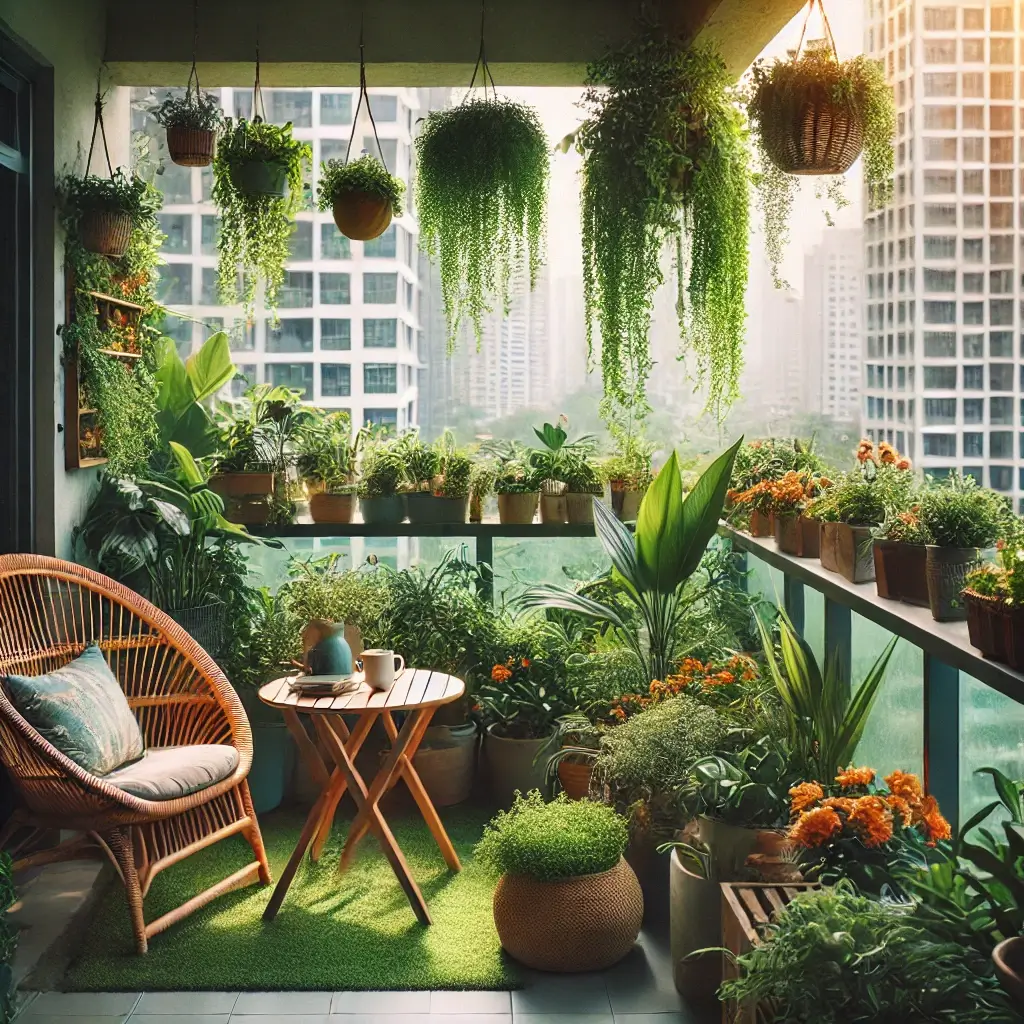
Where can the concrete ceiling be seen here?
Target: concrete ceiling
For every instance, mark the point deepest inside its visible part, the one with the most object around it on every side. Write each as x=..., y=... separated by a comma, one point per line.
x=409, y=42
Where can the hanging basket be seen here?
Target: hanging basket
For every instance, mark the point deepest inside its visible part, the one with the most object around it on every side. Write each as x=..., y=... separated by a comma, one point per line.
x=191, y=147
x=812, y=134
x=105, y=233
x=362, y=216
x=260, y=178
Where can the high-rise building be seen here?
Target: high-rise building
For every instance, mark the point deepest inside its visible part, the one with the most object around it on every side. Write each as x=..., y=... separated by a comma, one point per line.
x=832, y=335
x=349, y=332
x=941, y=259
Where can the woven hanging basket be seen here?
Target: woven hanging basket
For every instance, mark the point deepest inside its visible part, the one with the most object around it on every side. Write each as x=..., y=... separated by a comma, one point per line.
x=811, y=133
x=191, y=147
x=105, y=233
x=362, y=216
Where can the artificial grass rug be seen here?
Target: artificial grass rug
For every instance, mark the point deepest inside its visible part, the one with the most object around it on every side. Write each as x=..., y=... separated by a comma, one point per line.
x=349, y=932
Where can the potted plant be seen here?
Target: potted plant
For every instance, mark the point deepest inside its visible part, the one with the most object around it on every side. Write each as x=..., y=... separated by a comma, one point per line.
x=420, y=462
x=481, y=482
x=813, y=114
x=994, y=598
x=566, y=900
x=192, y=122
x=481, y=196
x=326, y=461
x=362, y=196
x=583, y=483
x=795, y=533
x=257, y=188
x=552, y=462
x=103, y=212
x=572, y=764
x=755, y=504
x=900, y=555
x=629, y=474
x=380, y=476
x=518, y=490
x=451, y=483
x=960, y=518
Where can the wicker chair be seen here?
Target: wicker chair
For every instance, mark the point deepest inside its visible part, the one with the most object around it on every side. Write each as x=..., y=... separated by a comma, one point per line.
x=50, y=611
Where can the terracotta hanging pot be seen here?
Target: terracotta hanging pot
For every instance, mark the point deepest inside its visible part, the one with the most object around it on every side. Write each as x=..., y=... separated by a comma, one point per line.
x=107, y=233
x=362, y=216
x=190, y=147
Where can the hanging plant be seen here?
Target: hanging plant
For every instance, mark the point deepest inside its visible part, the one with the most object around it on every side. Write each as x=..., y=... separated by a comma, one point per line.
x=192, y=122
x=362, y=196
x=481, y=193
x=664, y=159
x=813, y=115
x=102, y=212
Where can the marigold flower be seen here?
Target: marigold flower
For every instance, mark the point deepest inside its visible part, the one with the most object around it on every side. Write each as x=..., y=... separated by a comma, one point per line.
x=855, y=777
x=906, y=785
x=935, y=825
x=842, y=804
x=865, y=451
x=501, y=674
x=872, y=820
x=903, y=464
x=525, y=663
x=805, y=795
x=900, y=807
x=815, y=827
x=887, y=454
x=619, y=713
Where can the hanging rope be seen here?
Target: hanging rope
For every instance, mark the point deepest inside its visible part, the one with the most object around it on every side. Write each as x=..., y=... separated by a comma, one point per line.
x=481, y=61
x=364, y=95
x=831, y=39
x=194, y=73
x=98, y=123
x=257, y=92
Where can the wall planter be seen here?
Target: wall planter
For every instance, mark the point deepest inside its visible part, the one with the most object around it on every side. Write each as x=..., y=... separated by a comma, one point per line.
x=900, y=571
x=799, y=536
x=331, y=508
x=387, y=510
x=105, y=232
x=580, y=507
x=424, y=507
x=574, y=777
x=515, y=764
x=260, y=178
x=586, y=923
x=946, y=572
x=760, y=525
x=446, y=763
x=191, y=147
x=625, y=503
x=847, y=550
x=695, y=922
x=518, y=508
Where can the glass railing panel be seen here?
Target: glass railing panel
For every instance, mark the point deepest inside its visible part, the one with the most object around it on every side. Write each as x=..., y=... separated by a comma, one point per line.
x=814, y=622
x=522, y=562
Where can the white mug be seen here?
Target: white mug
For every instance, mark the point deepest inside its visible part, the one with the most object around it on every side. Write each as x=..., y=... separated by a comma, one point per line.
x=380, y=667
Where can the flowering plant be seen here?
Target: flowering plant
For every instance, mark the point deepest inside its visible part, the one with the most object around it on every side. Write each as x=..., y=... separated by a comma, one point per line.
x=864, y=832
x=879, y=484
x=904, y=527
x=1003, y=579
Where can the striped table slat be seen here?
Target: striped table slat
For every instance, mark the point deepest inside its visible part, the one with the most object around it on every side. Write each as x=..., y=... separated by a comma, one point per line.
x=414, y=688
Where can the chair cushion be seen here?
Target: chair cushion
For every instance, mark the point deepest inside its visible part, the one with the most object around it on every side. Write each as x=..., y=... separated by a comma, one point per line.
x=167, y=773
x=81, y=709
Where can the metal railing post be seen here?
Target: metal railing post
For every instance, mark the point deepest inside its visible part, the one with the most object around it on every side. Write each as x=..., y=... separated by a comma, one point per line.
x=838, y=637
x=793, y=596
x=942, y=736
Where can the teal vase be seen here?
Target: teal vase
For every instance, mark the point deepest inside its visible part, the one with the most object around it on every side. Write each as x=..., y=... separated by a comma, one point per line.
x=331, y=654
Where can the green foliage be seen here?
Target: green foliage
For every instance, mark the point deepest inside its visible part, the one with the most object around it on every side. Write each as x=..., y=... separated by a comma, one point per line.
x=274, y=642
x=454, y=469
x=120, y=193
x=548, y=842
x=318, y=589
x=365, y=175
x=960, y=514
x=481, y=193
x=258, y=430
x=325, y=451
x=8, y=939
x=253, y=230
x=770, y=458
x=382, y=470
x=665, y=160
x=199, y=111
x=516, y=476
x=420, y=461
x=866, y=496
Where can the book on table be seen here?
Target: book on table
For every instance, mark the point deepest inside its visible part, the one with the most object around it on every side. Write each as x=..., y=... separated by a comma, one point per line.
x=323, y=686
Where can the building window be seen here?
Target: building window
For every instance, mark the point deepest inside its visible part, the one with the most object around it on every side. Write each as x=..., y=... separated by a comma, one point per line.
x=1000, y=344
x=208, y=238
x=1001, y=411
x=300, y=245
x=940, y=215
x=939, y=280
x=285, y=105
x=174, y=284
x=939, y=410
x=1000, y=119
x=290, y=335
x=380, y=333
x=939, y=19
x=976, y=473
x=937, y=183
x=940, y=312
x=332, y=149
x=298, y=376
x=940, y=344
x=974, y=51
x=1000, y=312
x=974, y=150
x=296, y=290
x=1002, y=19
x=974, y=346
x=177, y=228
x=179, y=331
x=940, y=378
x=974, y=183
x=974, y=118
x=1000, y=183
x=1000, y=282
x=974, y=216
x=1000, y=478
x=385, y=108
x=974, y=84
x=940, y=83
x=335, y=335
x=388, y=150
x=1000, y=83
x=1000, y=444
x=974, y=284
x=974, y=313
x=381, y=417
x=209, y=290
x=1000, y=150
x=942, y=118
x=974, y=410
x=974, y=444
x=335, y=380
x=333, y=244
x=380, y=289
x=940, y=149
x=940, y=247
x=1000, y=248
x=243, y=380
x=940, y=444
x=335, y=108
x=940, y=51
x=335, y=289
x=1000, y=376
x=974, y=378
x=380, y=378
x=974, y=250
x=384, y=245
x=175, y=184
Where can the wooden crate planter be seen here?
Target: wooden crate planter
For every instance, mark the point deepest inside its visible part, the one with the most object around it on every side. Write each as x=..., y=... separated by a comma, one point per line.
x=746, y=908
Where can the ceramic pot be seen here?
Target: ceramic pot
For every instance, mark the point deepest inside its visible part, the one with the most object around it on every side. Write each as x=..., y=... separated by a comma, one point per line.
x=426, y=508
x=695, y=922
x=190, y=147
x=731, y=845
x=514, y=764
x=388, y=510
x=259, y=178
x=105, y=233
x=362, y=216
x=446, y=763
x=326, y=650
x=518, y=509
x=760, y=525
x=847, y=551
x=625, y=503
x=1008, y=961
x=331, y=508
x=580, y=507
x=577, y=924
x=900, y=571
x=273, y=754
x=946, y=571
x=574, y=778
x=797, y=535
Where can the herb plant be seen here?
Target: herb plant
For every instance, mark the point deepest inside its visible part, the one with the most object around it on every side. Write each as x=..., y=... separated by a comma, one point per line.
x=382, y=469
x=198, y=111
x=516, y=476
x=481, y=194
x=326, y=453
x=318, y=588
x=120, y=193
x=454, y=469
x=959, y=514
x=367, y=175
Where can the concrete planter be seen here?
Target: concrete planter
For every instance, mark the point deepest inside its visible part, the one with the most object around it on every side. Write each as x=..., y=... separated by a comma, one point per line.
x=695, y=922
x=514, y=764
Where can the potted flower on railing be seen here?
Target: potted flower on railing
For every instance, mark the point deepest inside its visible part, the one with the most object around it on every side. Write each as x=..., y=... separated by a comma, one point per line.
x=551, y=462
x=326, y=461
x=629, y=474
x=994, y=599
x=583, y=484
x=754, y=508
x=900, y=555
x=795, y=533
x=451, y=483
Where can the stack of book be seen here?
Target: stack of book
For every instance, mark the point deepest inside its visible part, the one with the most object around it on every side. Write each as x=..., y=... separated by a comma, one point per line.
x=323, y=686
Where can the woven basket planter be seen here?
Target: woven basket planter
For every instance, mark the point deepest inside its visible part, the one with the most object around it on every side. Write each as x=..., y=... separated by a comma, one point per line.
x=191, y=147
x=518, y=508
x=799, y=536
x=362, y=216
x=577, y=924
x=814, y=134
x=580, y=506
x=900, y=572
x=105, y=233
x=552, y=502
x=985, y=625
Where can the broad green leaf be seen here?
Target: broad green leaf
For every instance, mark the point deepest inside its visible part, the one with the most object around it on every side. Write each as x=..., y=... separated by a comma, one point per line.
x=196, y=431
x=187, y=465
x=659, y=530
x=210, y=368
x=174, y=392
x=618, y=544
x=173, y=516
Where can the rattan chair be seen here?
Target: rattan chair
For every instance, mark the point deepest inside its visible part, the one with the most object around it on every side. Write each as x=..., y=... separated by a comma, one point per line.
x=49, y=611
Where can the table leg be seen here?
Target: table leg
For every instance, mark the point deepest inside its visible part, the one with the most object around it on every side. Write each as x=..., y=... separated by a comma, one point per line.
x=366, y=802
x=307, y=748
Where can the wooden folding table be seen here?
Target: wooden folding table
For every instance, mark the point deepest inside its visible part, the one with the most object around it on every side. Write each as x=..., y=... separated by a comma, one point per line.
x=416, y=692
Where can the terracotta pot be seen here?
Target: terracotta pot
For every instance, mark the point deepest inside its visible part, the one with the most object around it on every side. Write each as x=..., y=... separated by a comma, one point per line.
x=105, y=233
x=946, y=572
x=797, y=535
x=580, y=507
x=847, y=551
x=760, y=525
x=900, y=571
x=331, y=508
x=695, y=922
x=625, y=503
x=446, y=763
x=259, y=178
x=574, y=778
x=362, y=216
x=577, y=924
x=386, y=510
x=553, y=507
x=518, y=508
x=985, y=625
x=243, y=485
x=191, y=147
x=514, y=764
x=1008, y=960
x=731, y=845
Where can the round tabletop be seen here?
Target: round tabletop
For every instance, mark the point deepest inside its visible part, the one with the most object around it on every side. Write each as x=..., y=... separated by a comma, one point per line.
x=414, y=688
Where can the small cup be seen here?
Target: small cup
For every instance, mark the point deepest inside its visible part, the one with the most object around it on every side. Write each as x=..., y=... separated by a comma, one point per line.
x=379, y=667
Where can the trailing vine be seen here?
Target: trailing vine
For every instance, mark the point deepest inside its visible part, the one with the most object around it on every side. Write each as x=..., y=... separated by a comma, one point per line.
x=664, y=160
x=481, y=193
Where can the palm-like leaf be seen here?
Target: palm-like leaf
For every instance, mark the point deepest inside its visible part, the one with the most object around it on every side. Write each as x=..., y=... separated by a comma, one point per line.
x=619, y=545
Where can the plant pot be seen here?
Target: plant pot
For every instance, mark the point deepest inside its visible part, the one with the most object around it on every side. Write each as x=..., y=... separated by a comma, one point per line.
x=552, y=503
x=362, y=216
x=1008, y=961
x=105, y=233
x=900, y=571
x=259, y=178
x=445, y=763
x=273, y=754
x=331, y=508
x=847, y=550
x=190, y=147
x=625, y=503
x=574, y=778
x=695, y=922
x=819, y=136
x=577, y=924
x=243, y=485
x=205, y=624
x=797, y=535
x=946, y=572
x=387, y=510
x=580, y=507
x=652, y=871
x=515, y=765
x=426, y=508
x=731, y=845
x=985, y=625
x=760, y=525
x=518, y=508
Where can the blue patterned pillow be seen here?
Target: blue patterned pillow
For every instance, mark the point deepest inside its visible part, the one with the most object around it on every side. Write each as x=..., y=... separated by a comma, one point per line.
x=82, y=711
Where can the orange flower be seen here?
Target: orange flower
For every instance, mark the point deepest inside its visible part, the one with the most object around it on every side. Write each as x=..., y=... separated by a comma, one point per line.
x=935, y=825
x=815, y=827
x=900, y=807
x=501, y=674
x=619, y=713
x=903, y=464
x=887, y=454
x=843, y=804
x=525, y=663
x=865, y=451
x=906, y=785
x=855, y=777
x=872, y=819
x=805, y=795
